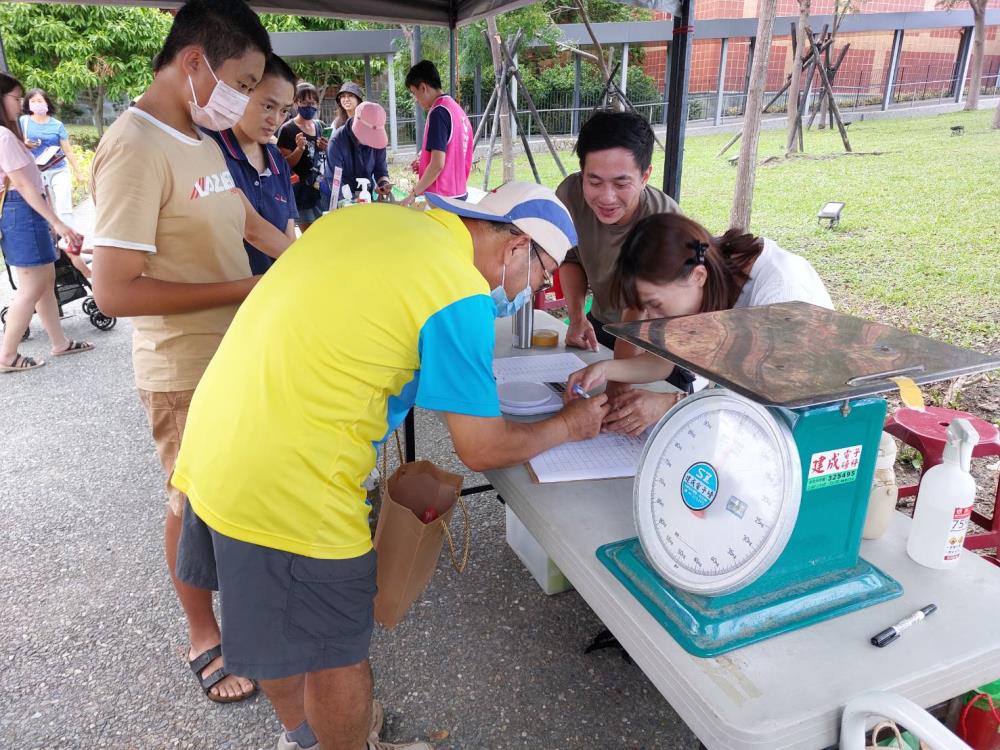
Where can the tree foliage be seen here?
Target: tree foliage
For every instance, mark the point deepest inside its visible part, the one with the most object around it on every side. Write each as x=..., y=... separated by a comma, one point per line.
x=88, y=52
x=332, y=71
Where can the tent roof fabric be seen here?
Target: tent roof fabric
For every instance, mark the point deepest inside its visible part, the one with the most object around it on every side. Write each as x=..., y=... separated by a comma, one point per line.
x=429, y=12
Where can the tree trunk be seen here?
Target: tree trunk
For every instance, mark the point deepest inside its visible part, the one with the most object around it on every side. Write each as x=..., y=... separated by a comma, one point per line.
x=411, y=42
x=978, y=44
x=746, y=169
x=996, y=118
x=824, y=111
x=801, y=53
x=506, y=144
x=97, y=106
x=604, y=63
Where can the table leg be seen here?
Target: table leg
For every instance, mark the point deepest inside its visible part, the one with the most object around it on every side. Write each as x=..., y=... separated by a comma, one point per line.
x=409, y=438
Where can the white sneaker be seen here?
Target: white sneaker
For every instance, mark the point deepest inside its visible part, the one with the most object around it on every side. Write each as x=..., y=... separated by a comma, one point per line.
x=378, y=717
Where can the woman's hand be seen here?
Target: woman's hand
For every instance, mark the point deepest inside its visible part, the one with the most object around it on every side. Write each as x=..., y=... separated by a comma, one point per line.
x=384, y=187
x=408, y=200
x=322, y=143
x=74, y=238
x=590, y=377
x=634, y=411
x=300, y=141
x=617, y=390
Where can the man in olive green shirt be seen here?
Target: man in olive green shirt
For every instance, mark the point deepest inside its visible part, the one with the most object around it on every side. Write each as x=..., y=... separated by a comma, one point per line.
x=606, y=198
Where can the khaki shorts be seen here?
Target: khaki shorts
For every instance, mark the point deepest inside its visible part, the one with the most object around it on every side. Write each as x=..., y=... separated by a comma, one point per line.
x=167, y=413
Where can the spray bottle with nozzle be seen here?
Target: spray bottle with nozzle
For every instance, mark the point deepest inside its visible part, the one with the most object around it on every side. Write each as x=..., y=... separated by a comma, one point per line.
x=944, y=502
x=363, y=195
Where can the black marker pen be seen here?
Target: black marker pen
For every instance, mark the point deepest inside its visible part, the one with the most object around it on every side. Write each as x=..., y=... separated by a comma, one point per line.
x=888, y=635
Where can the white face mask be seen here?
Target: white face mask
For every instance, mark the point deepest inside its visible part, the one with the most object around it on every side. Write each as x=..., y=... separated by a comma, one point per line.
x=225, y=106
x=506, y=307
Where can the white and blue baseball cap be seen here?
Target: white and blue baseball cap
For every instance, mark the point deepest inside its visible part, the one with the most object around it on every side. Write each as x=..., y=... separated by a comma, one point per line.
x=532, y=208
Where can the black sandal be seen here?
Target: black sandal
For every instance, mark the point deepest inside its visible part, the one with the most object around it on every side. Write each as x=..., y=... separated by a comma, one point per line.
x=21, y=363
x=208, y=682
x=75, y=347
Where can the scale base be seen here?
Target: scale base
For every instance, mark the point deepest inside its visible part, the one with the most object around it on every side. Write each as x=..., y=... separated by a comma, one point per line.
x=706, y=626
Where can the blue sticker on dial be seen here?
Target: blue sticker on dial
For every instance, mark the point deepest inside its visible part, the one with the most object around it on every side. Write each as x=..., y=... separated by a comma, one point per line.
x=699, y=486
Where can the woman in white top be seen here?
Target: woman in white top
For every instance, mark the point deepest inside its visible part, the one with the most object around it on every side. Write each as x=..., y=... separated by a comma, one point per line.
x=670, y=266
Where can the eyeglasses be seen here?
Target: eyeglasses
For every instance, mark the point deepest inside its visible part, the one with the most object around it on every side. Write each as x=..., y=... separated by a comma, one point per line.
x=546, y=276
x=547, y=280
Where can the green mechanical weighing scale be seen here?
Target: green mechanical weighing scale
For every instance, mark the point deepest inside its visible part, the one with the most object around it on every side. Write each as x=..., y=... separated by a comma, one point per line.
x=750, y=497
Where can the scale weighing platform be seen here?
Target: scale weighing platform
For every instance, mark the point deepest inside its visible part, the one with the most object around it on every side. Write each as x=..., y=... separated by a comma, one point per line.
x=750, y=498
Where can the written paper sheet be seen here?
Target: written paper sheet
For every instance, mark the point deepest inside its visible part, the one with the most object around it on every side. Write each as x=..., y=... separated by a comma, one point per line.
x=542, y=368
x=607, y=456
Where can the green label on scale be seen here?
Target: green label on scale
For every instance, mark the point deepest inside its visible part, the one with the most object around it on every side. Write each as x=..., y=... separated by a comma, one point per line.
x=830, y=468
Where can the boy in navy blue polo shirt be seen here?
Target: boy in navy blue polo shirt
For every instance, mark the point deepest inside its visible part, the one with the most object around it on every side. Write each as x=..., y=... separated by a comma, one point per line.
x=257, y=167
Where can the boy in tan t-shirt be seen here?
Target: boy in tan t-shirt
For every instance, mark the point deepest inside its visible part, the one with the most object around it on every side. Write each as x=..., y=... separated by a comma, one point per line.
x=169, y=248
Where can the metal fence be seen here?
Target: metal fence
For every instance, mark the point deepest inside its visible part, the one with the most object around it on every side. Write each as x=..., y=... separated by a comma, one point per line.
x=561, y=118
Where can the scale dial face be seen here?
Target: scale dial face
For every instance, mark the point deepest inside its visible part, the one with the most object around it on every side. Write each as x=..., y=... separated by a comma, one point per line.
x=717, y=492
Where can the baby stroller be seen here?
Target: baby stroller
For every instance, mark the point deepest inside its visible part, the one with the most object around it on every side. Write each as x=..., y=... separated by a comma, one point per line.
x=70, y=285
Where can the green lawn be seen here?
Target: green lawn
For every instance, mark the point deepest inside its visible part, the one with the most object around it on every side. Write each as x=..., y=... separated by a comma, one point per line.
x=918, y=241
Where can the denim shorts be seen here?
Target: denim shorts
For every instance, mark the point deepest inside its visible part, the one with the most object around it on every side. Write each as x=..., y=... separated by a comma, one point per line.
x=26, y=238
x=282, y=614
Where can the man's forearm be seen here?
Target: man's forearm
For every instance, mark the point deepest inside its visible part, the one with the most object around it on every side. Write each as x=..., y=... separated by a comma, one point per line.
x=573, y=281
x=148, y=296
x=511, y=444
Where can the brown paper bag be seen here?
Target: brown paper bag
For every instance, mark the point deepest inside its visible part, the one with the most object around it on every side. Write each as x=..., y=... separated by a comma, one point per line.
x=407, y=549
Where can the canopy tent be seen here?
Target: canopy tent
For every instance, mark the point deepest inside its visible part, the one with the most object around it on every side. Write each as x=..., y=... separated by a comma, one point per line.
x=452, y=13
x=429, y=12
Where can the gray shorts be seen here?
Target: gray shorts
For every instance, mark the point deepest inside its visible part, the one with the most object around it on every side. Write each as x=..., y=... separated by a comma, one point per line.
x=282, y=614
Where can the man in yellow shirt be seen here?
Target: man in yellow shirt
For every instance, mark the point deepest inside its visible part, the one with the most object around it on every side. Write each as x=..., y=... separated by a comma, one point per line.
x=323, y=361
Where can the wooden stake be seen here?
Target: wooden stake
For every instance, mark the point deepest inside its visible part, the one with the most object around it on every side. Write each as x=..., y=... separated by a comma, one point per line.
x=834, y=109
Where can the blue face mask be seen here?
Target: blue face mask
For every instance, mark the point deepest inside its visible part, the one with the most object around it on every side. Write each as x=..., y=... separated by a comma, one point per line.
x=505, y=307
x=307, y=112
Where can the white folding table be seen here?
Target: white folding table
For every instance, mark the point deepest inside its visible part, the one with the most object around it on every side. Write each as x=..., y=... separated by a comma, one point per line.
x=789, y=691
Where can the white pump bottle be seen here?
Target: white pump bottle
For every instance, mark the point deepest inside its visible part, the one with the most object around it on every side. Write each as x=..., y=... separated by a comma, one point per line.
x=363, y=195
x=944, y=502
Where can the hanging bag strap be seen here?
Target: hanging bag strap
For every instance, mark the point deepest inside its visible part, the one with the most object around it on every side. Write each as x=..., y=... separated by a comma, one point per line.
x=890, y=726
x=460, y=566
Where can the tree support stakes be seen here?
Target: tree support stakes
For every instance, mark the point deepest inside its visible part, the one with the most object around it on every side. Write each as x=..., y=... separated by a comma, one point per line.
x=831, y=74
x=834, y=109
x=782, y=90
x=534, y=112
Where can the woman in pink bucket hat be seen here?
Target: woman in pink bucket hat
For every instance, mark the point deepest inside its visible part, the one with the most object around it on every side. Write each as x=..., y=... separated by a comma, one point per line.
x=358, y=148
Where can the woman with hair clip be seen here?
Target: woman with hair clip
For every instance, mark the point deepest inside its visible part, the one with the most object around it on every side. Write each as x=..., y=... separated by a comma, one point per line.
x=671, y=266
x=25, y=218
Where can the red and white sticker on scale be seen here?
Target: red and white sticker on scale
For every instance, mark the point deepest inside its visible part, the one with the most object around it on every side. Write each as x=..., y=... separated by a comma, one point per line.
x=956, y=535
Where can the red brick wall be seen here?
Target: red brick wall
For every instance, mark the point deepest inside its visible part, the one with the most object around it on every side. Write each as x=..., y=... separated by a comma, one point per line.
x=925, y=54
